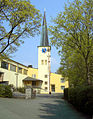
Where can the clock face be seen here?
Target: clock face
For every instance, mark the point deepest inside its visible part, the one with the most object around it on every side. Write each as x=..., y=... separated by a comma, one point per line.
x=44, y=50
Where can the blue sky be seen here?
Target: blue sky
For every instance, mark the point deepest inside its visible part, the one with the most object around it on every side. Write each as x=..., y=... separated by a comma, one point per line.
x=27, y=53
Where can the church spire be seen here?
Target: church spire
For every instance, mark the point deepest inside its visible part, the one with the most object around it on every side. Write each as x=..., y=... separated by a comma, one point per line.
x=44, y=35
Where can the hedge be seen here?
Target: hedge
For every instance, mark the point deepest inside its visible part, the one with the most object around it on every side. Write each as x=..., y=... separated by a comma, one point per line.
x=81, y=97
x=66, y=93
x=21, y=89
x=5, y=91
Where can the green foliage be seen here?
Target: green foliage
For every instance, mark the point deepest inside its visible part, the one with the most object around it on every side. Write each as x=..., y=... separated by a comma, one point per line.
x=21, y=89
x=59, y=71
x=72, y=36
x=18, y=19
x=81, y=98
x=5, y=91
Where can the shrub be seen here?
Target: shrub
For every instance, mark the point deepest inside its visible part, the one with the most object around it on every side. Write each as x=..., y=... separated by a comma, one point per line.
x=81, y=97
x=72, y=95
x=89, y=102
x=66, y=93
x=21, y=89
x=2, y=91
x=5, y=91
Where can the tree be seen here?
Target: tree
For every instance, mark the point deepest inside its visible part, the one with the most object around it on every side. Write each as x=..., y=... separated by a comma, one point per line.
x=72, y=34
x=74, y=70
x=18, y=19
x=59, y=71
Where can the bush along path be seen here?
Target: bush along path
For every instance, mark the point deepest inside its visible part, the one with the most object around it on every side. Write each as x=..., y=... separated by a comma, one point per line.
x=81, y=98
x=5, y=91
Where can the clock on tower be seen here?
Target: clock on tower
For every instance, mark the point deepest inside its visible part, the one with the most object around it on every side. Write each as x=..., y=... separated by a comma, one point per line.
x=44, y=50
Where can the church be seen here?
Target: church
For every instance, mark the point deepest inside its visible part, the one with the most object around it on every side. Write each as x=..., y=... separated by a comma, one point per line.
x=40, y=79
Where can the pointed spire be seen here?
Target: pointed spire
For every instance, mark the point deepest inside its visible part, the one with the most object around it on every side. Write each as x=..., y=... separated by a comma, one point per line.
x=44, y=35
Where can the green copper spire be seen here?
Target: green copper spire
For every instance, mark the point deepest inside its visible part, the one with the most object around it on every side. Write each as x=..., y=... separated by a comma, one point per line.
x=44, y=34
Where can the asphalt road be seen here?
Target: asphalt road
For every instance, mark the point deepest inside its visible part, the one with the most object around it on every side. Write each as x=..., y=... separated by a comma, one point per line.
x=42, y=107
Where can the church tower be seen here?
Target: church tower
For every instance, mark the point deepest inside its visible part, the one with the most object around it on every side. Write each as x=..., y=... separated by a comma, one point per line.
x=44, y=58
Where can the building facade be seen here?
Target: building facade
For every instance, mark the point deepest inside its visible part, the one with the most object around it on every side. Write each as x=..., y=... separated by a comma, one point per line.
x=41, y=79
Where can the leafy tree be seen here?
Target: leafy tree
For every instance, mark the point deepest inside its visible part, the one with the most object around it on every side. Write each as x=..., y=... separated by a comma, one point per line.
x=18, y=19
x=73, y=68
x=59, y=71
x=91, y=69
x=72, y=35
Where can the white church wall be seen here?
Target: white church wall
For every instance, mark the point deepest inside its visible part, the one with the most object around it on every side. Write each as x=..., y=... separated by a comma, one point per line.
x=43, y=69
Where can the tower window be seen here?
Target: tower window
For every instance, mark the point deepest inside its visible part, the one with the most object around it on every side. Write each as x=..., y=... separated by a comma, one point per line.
x=42, y=62
x=45, y=62
x=46, y=76
x=48, y=49
x=45, y=82
x=46, y=88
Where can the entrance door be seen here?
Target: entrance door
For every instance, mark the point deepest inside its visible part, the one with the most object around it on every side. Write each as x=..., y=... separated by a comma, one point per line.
x=53, y=88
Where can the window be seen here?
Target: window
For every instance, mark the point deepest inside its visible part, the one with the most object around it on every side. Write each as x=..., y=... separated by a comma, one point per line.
x=4, y=65
x=33, y=83
x=25, y=71
x=19, y=70
x=46, y=76
x=45, y=82
x=34, y=75
x=48, y=49
x=62, y=80
x=45, y=62
x=46, y=88
x=62, y=87
x=12, y=67
x=42, y=62
x=53, y=88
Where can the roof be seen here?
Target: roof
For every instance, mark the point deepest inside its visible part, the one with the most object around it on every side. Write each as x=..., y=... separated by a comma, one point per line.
x=44, y=34
x=31, y=79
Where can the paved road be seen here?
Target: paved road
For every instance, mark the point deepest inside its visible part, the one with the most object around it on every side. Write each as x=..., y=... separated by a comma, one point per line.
x=43, y=107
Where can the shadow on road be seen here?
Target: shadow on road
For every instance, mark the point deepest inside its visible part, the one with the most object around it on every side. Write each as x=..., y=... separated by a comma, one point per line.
x=59, y=109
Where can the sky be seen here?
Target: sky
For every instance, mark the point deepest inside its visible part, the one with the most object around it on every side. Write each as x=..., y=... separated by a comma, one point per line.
x=27, y=53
